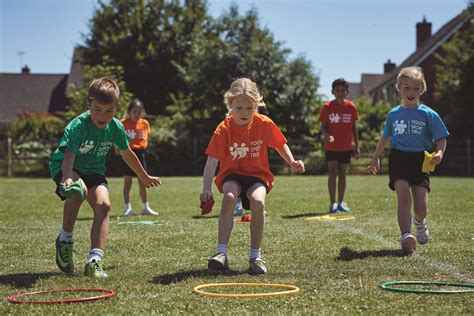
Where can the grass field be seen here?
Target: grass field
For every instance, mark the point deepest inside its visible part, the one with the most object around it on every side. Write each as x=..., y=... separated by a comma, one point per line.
x=338, y=266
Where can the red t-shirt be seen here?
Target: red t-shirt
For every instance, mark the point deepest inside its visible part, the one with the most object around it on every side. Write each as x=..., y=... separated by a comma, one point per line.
x=243, y=149
x=138, y=132
x=339, y=120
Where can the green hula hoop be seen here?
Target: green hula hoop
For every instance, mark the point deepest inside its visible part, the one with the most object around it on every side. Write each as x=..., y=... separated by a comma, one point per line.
x=388, y=286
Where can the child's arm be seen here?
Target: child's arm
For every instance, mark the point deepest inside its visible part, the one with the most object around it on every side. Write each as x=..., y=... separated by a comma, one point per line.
x=132, y=161
x=325, y=132
x=208, y=175
x=375, y=165
x=440, y=149
x=355, y=135
x=286, y=154
x=67, y=166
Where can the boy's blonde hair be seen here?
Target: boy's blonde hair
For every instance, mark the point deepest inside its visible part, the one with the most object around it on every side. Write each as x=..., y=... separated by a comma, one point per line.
x=415, y=73
x=104, y=91
x=246, y=87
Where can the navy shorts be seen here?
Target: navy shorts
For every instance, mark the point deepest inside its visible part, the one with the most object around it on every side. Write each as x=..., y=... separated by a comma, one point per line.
x=339, y=156
x=90, y=180
x=245, y=183
x=407, y=166
x=125, y=170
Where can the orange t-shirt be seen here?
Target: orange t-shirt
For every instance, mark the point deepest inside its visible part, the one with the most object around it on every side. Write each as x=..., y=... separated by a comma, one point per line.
x=138, y=132
x=243, y=149
x=340, y=120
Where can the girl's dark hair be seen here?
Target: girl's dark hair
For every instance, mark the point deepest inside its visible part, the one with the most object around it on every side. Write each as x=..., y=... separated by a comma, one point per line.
x=135, y=103
x=340, y=82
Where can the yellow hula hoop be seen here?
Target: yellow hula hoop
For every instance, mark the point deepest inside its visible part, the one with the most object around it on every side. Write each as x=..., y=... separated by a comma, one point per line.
x=290, y=289
x=330, y=218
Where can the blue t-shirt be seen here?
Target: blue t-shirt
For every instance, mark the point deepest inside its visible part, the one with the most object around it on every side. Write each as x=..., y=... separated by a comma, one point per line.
x=414, y=129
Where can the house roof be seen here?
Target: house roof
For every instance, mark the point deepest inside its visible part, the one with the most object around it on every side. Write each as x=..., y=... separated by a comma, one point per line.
x=426, y=49
x=37, y=93
x=355, y=90
x=367, y=82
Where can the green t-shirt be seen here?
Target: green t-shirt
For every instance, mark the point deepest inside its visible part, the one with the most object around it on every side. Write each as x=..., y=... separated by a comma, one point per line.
x=89, y=144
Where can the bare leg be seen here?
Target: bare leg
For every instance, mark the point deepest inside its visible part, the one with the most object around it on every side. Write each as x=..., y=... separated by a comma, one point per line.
x=127, y=186
x=143, y=192
x=99, y=201
x=71, y=207
x=420, y=202
x=256, y=195
x=226, y=218
x=341, y=183
x=404, y=205
x=333, y=172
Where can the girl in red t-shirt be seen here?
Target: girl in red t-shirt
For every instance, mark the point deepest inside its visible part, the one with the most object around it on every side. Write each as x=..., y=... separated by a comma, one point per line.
x=239, y=145
x=138, y=130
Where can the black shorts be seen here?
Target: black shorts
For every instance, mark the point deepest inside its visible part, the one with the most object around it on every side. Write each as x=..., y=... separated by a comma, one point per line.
x=90, y=180
x=245, y=183
x=407, y=166
x=339, y=156
x=125, y=170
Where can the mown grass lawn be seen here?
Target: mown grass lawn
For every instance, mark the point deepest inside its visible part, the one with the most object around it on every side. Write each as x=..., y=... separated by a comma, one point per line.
x=338, y=266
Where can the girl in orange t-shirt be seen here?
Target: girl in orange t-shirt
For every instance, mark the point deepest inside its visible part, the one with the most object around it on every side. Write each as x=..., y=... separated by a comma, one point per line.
x=239, y=145
x=138, y=130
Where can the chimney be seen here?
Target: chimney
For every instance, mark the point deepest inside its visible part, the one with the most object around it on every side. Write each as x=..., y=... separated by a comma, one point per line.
x=423, y=32
x=25, y=70
x=388, y=66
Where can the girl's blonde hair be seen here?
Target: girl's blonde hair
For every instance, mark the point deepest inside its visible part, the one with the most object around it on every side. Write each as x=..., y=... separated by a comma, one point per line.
x=415, y=73
x=243, y=86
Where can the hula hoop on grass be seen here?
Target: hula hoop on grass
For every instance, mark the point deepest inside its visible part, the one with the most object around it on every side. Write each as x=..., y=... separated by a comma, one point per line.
x=388, y=286
x=290, y=289
x=109, y=293
x=159, y=223
x=330, y=218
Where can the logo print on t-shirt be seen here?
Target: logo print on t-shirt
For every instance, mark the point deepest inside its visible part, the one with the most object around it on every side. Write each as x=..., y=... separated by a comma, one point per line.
x=86, y=146
x=399, y=127
x=131, y=133
x=238, y=152
x=334, y=118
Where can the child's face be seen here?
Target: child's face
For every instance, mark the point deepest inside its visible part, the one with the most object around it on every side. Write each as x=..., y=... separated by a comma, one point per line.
x=135, y=113
x=410, y=91
x=101, y=114
x=243, y=109
x=340, y=92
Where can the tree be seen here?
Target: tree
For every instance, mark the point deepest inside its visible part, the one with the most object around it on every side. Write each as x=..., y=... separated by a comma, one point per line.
x=151, y=39
x=455, y=79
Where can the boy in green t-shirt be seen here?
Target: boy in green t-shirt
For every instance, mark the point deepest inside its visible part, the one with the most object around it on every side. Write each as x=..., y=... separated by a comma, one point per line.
x=78, y=169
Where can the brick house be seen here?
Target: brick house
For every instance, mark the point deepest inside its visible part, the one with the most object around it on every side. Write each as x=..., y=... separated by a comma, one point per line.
x=377, y=87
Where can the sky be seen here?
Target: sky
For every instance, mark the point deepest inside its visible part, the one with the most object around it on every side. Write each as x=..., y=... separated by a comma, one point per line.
x=341, y=38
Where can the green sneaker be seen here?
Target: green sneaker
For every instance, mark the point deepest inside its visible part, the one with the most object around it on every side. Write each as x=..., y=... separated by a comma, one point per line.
x=94, y=269
x=64, y=258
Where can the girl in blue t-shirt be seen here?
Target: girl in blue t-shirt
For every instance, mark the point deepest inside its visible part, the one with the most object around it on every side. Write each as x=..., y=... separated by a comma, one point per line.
x=412, y=128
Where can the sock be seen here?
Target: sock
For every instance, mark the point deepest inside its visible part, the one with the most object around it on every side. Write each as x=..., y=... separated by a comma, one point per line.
x=65, y=236
x=254, y=254
x=222, y=248
x=405, y=233
x=95, y=254
x=128, y=206
x=416, y=222
x=145, y=206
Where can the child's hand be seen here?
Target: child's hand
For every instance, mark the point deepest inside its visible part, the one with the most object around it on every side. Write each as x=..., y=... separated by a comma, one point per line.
x=436, y=159
x=205, y=196
x=151, y=181
x=67, y=182
x=357, y=152
x=374, y=167
x=298, y=166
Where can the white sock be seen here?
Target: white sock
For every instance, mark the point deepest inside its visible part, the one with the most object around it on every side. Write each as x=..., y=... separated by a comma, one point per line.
x=65, y=236
x=222, y=248
x=128, y=206
x=145, y=206
x=95, y=254
x=254, y=254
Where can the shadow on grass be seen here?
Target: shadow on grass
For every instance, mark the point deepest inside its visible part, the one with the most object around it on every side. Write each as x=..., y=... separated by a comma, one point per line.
x=25, y=280
x=173, y=278
x=304, y=215
x=347, y=254
x=205, y=217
